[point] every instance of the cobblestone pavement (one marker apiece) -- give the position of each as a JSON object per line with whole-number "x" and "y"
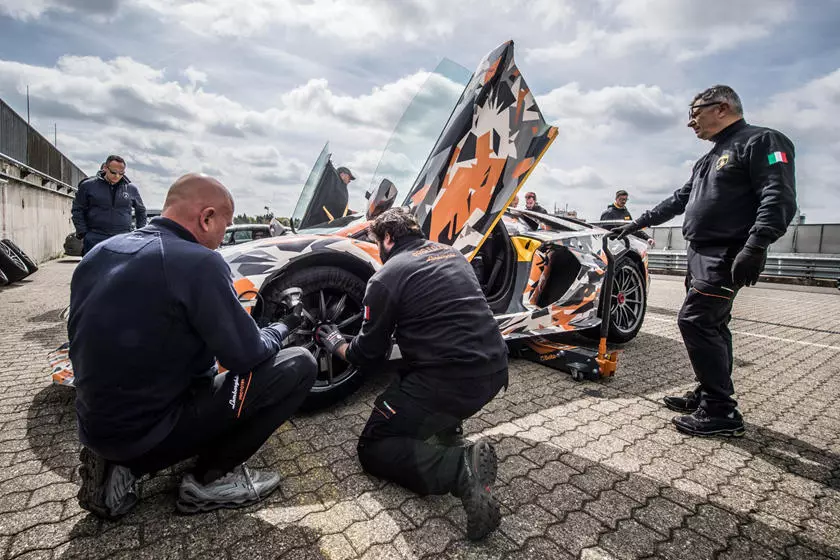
{"x": 588, "y": 470}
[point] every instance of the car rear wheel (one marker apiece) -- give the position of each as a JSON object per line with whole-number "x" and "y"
{"x": 330, "y": 295}
{"x": 629, "y": 302}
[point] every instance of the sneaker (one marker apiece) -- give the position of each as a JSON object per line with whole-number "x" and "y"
{"x": 701, "y": 423}
{"x": 107, "y": 490}
{"x": 239, "y": 488}
{"x": 686, "y": 404}
{"x": 477, "y": 475}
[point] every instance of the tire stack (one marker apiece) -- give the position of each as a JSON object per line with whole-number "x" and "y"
{"x": 15, "y": 265}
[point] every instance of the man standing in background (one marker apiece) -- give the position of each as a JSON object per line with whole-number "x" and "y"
{"x": 618, "y": 209}
{"x": 103, "y": 204}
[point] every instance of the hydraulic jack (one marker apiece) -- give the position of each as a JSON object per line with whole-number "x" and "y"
{"x": 581, "y": 362}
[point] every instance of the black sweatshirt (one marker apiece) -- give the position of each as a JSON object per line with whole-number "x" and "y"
{"x": 742, "y": 191}
{"x": 429, "y": 294}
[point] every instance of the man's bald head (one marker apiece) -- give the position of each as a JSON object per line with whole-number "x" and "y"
{"x": 202, "y": 205}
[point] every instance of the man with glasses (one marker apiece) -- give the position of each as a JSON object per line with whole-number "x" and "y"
{"x": 740, "y": 198}
{"x": 103, "y": 204}
{"x": 618, "y": 209}
{"x": 531, "y": 203}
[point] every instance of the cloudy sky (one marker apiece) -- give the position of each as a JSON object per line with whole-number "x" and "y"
{"x": 250, "y": 90}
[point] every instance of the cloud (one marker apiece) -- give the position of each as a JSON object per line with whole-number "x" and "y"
{"x": 31, "y": 9}
{"x": 640, "y": 108}
{"x": 681, "y": 29}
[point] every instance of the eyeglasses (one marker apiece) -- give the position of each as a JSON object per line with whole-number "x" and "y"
{"x": 112, "y": 172}
{"x": 692, "y": 114}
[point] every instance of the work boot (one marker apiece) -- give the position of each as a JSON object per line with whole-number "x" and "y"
{"x": 686, "y": 404}
{"x": 701, "y": 423}
{"x": 107, "y": 490}
{"x": 239, "y": 488}
{"x": 475, "y": 478}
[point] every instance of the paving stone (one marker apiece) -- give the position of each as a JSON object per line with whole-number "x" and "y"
{"x": 630, "y": 540}
{"x": 529, "y": 521}
{"x": 688, "y": 545}
{"x": 610, "y": 507}
{"x": 267, "y": 544}
{"x": 578, "y": 531}
{"x": 740, "y": 549}
{"x": 714, "y": 523}
{"x": 564, "y": 498}
{"x": 551, "y": 474}
{"x": 661, "y": 515}
{"x": 540, "y": 548}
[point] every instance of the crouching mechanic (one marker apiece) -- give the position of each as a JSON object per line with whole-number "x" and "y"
{"x": 456, "y": 362}
{"x": 150, "y": 312}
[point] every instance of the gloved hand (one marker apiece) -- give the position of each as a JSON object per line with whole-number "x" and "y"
{"x": 625, "y": 230}
{"x": 294, "y": 319}
{"x": 328, "y": 336}
{"x": 748, "y": 265}
{"x": 80, "y": 235}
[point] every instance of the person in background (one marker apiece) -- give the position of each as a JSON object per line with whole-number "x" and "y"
{"x": 103, "y": 205}
{"x": 618, "y": 209}
{"x": 531, "y": 203}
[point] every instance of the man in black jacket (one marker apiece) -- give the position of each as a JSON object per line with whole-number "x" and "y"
{"x": 456, "y": 362}
{"x": 103, "y": 204}
{"x": 151, "y": 312}
{"x": 740, "y": 198}
{"x": 618, "y": 209}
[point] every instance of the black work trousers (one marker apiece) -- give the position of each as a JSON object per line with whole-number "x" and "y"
{"x": 413, "y": 409}
{"x": 704, "y": 324}
{"x": 224, "y": 422}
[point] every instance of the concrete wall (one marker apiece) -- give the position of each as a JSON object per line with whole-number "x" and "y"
{"x": 34, "y": 211}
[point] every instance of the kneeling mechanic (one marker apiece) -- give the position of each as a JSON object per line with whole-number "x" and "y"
{"x": 456, "y": 362}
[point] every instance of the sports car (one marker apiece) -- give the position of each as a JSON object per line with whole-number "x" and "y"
{"x": 467, "y": 143}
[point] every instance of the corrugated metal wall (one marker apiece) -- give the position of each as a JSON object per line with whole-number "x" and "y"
{"x": 20, "y": 141}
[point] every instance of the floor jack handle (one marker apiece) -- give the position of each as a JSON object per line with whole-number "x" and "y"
{"x": 608, "y": 363}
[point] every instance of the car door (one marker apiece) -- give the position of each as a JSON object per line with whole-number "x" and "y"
{"x": 491, "y": 142}
{"x": 324, "y": 196}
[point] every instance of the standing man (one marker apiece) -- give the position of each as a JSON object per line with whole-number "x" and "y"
{"x": 618, "y": 209}
{"x": 531, "y": 203}
{"x": 456, "y": 361}
{"x": 147, "y": 393}
{"x": 103, "y": 204}
{"x": 740, "y": 198}
{"x": 515, "y": 202}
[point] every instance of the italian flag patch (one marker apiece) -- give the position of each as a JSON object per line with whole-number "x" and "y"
{"x": 777, "y": 157}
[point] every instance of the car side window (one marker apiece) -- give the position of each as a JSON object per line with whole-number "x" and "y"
{"x": 228, "y": 239}
{"x": 241, "y": 236}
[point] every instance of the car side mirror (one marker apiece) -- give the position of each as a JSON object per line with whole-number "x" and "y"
{"x": 381, "y": 200}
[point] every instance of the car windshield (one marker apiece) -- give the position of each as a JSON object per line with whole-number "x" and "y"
{"x": 419, "y": 127}
{"x": 311, "y": 183}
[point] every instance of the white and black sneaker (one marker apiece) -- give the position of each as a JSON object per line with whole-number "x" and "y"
{"x": 107, "y": 490}
{"x": 475, "y": 479}
{"x": 239, "y": 488}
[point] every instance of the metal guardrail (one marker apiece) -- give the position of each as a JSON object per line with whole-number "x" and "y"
{"x": 807, "y": 267}
{"x": 20, "y": 142}
{"x": 806, "y": 239}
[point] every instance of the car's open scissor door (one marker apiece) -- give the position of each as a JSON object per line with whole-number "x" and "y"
{"x": 491, "y": 142}
{"x": 324, "y": 195}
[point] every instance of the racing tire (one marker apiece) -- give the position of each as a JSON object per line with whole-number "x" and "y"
{"x": 629, "y": 303}
{"x": 73, "y": 246}
{"x": 3, "y": 278}
{"x": 30, "y": 264}
{"x": 11, "y": 265}
{"x": 334, "y": 293}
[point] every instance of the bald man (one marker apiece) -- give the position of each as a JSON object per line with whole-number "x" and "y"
{"x": 150, "y": 314}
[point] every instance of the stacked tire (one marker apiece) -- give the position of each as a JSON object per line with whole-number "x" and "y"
{"x": 15, "y": 265}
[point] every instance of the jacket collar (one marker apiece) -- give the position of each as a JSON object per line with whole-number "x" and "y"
{"x": 174, "y": 227}
{"x": 411, "y": 241}
{"x": 728, "y": 131}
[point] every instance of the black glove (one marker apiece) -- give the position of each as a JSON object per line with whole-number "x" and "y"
{"x": 623, "y": 231}
{"x": 328, "y": 336}
{"x": 292, "y": 320}
{"x": 749, "y": 263}
{"x": 80, "y": 235}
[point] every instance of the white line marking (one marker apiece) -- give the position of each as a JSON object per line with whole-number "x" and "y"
{"x": 760, "y": 335}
